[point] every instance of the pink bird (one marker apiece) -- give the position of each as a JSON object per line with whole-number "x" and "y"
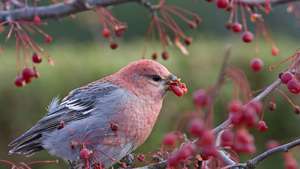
{"x": 98, "y": 124}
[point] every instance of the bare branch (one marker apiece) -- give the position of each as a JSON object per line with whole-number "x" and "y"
{"x": 273, "y": 2}
{"x": 57, "y": 10}
{"x": 252, "y": 163}
{"x": 63, "y": 9}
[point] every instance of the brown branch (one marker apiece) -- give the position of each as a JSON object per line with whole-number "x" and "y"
{"x": 273, "y": 2}
{"x": 252, "y": 163}
{"x": 63, "y": 9}
{"x": 56, "y": 10}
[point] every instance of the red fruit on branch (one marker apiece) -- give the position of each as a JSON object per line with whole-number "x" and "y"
{"x": 207, "y": 139}
{"x": 37, "y": 20}
{"x": 28, "y": 74}
{"x": 222, "y": 4}
{"x": 286, "y": 77}
{"x": 106, "y": 33}
{"x": 235, "y": 106}
{"x": 113, "y": 45}
{"x": 48, "y": 39}
{"x": 196, "y": 127}
{"x": 247, "y": 37}
{"x": 275, "y": 51}
{"x": 236, "y": 27}
{"x": 19, "y": 81}
{"x": 188, "y": 41}
{"x": 262, "y": 126}
{"x": 227, "y": 138}
{"x": 256, "y": 64}
{"x": 36, "y": 58}
{"x": 201, "y": 98}
{"x": 294, "y": 86}
{"x": 170, "y": 139}
{"x": 165, "y": 55}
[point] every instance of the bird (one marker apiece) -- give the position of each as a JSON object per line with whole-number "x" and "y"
{"x": 100, "y": 123}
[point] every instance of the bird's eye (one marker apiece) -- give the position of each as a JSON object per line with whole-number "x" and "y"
{"x": 156, "y": 78}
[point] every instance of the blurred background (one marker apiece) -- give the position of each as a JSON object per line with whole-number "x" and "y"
{"x": 81, "y": 56}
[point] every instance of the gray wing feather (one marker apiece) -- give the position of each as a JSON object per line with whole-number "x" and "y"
{"x": 77, "y": 105}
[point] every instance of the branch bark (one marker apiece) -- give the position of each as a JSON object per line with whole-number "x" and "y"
{"x": 252, "y": 163}
{"x": 58, "y": 10}
{"x": 62, "y": 9}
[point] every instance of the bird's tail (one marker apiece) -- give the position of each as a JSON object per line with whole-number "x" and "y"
{"x": 27, "y": 144}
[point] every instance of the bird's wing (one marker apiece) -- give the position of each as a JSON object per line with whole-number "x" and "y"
{"x": 77, "y": 105}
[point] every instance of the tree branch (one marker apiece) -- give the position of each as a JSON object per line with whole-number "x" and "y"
{"x": 252, "y": 163}
{"x": 63, "y": 9}
{"x": 273, "y": 2}
{"x": 57, "y": 10}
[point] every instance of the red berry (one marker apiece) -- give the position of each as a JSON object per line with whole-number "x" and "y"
{"x": 275, "y": 51}
{"x": 236, "y": 27}
{"x": 222, "y": 3}
{"x": 119, "y": 30}
{"x": 207, "y": 139}
{"x": 286, "y": 77}
{"x": 257, "y": 106}
{"x": 27, "y": 74}
{"x": 208, "y": 151}
{"x": 196, "y": 127}
{"x": 247, "y": 37}
{"x": 262, "y": 126}
{"x": 36, "y": 58}
{"x": 106, "y": 33}
{"x": 236, "y": 118}
{"x": 37, "y": 20}
{"x": 170, "y": 139}
{"x": 256, "y": 64}
{"x": 227, "y": 138}
{"x": 141, "y": 157}
{"x": 113, "y": 45}
{"x": 188, "y": 41}
{"x": 165, "y": 55}
{"x": 154, "y": 56}
{"x": 19, "y": 82}
{"x": 177, "y": 90}
{"x": 294, "y": 86}
{"x": 201, "y": 98}
{"x": 85, "y": 153}
{"x": 235, "y": 106}
{"x": 48, "y": 39}
{"x": 249, "y": 117}
{"x": 185, "y": 151}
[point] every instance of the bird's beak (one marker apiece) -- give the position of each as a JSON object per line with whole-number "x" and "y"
{"x": 172, "y": 78}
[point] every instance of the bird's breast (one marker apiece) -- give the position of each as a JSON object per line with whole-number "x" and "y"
{"x": 138, "y": 120}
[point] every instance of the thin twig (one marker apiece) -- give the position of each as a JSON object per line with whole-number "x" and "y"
{"x": 63, "y": 9}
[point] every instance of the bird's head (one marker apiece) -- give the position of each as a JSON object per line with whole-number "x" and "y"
{"x": 148, "y": 78}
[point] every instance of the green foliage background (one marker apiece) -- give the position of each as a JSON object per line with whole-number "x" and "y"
{"x": 81, "y": 57}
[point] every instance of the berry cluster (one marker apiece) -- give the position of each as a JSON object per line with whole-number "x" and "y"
{"x": 178, "y": 88}
{"x": 164, "y": 25}
{"x": 238, "y": 24}
{"x": 112, "y": 27}
{"x": 291, "y": 82}
{"x": 28, "y": 51}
